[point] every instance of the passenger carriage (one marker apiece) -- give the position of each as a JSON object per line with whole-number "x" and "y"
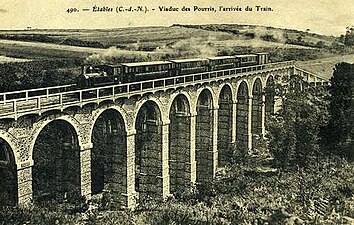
{"x": 100, "y": 75}
{"x": 189, "y": 66}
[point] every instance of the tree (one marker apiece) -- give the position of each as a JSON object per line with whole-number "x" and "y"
{"x": 349, "y": 36}
{"x": 340, "y": 132}
{"x": 293, "y": 136}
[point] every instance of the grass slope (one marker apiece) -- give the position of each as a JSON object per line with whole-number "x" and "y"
{"x": 221, "y": 38}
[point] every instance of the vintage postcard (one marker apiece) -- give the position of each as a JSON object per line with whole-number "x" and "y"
{"x": 176, "y": 112}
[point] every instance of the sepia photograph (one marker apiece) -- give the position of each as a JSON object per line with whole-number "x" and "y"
{"x": 177, "y": 112}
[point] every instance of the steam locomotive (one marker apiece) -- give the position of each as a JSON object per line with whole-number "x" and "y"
{"x": 100, "y": 75}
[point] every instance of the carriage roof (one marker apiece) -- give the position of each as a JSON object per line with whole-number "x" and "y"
{"x": 244, "y": 56}
{"x": 221, "y": 57}
{"x": 135, "y": 64}
{"x": 188, "y": 60}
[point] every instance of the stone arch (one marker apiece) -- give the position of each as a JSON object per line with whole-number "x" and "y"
{"x": 242, "y": 116}
{"x": 222, "y": 87}
{"x": 242, "y": 82}
{"x": 204, "y": 136}
{"x": 99, "y": 112}
{"x": 179, "y": 143}
{"x": 153, "y": 100}
{"x": 11, "y": 141}
{"x": 148, "y": 151}
{"x": 108, "y": 155}
{"x": 38, "y": 127}
{"x": 181, "y": 93}
{"x": 257, "y": 104}
{"x": 224, "y": 124}
{"x": 256, "y": 81}
{"x": 56, "y": 171}
{"x": 199, "y": 92}
{"x": 209, "y": 93}
{"x": 8, "y": 174}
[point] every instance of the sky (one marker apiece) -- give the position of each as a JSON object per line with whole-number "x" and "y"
{"x": 330, "y": 17}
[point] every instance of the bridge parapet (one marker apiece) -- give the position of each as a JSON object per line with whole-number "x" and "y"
{"x": 37, "y": 101}
{"x": 26, "y": 94}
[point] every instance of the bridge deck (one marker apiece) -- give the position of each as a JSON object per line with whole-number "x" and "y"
{"x": 18, "y": 103}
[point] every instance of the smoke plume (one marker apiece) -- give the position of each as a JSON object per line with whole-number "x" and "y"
{"x": 193, "y": 47}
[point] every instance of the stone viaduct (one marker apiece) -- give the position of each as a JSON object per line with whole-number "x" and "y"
{"x": 130, "y": 145}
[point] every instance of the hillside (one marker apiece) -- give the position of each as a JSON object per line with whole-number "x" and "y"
{"x": 36, "y": 58}
{"x": 270, "y": 34}
{"x": 176, "y": 41}
{"x": 148, "y": 38}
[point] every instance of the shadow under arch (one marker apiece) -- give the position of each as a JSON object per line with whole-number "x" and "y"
{"x": 225, "y": 126}
{"x": 8, "y": 175}
{"x": 257, "y": 104}
{"x": 108, "y": 156}
{"x": 179, "y": 144}
{"x": 56, "y": 169}
{"x": 148, "y": 152}
{"x": 204, "y": 136}
{"x": 242, "y": 117}
{"x": 269, "y": 98}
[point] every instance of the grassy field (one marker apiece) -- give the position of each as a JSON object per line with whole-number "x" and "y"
{"x": 38, "y": 50}
{"x": 177, "y": 40}
{"x": 147, "y": 37}
{"x": 81, "y": 44}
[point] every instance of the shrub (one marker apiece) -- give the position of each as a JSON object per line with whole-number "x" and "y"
{"x": 340, "y": 132}
{"x": 294, "y": 131}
